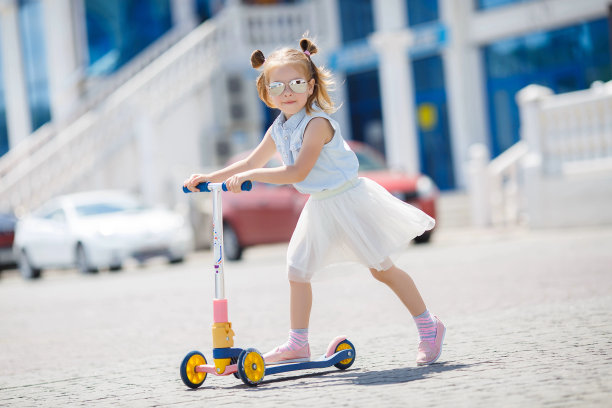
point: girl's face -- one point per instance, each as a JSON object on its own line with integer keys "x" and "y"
{"x": 289, "y": 101}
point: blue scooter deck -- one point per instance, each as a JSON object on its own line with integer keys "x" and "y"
{"x": 326, "y": 362}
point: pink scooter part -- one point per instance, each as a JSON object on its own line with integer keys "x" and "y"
{"x": 220, "y": 310}
{"x": 331, "y": 349}
{"x": 211, "y": 369}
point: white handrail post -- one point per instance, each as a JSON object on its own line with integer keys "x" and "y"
{"x": 529, "y": 100}
{"x": 479, "y": 185}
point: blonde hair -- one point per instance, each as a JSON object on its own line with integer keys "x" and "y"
{"x": 323, "y": 78}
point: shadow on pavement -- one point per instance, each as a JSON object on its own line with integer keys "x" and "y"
{"x": 358, "y": 377}
{"x": 403, "y": 375}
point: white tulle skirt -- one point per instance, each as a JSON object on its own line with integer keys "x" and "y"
{"x": 358, "y": 222}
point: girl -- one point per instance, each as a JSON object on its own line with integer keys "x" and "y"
{"x": 346, "y": 218}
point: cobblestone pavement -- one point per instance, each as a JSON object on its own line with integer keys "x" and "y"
{"x": 527, "y": 312}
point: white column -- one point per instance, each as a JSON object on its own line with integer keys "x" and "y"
{"x": 391, "y": 39}
{"x": 146, "y": 133}
{"x": 19, "y": 121}
{"x": 184, "y": 14}
{"x": 464, "y": 80}
{"x": 328, "y": 24}
{"x": 63, "y": 59}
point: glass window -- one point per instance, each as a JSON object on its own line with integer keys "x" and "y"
{"x": 357, "y": 19}
{"x": 564, "y": 60}
{"x": 366, "y": 112}
{"x": 34, "y": 61}
{"x": 432, "y": 121}
{"x": 489, "y": 4}
{"x": 4, "y": 143}
{"x": 421, "y": 11}
{"x": 117, "y": 30}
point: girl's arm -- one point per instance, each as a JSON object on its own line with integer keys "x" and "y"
{"x": 318, "y": 132}
{"x": 258, "y": 158}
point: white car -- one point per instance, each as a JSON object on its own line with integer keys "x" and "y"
{"x": 95, "y": 230}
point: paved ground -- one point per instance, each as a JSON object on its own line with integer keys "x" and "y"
{"x": 528, "y": 317}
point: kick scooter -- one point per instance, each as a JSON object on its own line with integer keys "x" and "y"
{"x": 245, "y": 364}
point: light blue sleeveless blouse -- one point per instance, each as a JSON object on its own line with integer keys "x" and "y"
{"x": 336, "y": 164}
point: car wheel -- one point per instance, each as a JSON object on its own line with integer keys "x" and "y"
{"x": 26, "y": 269}
{"x": 82, "y": 262}
{"x": 116, "y": 267}
{"x": 231, "y": 246}
{"x": 176, "y": 259}
{"x": 423, "y": 238}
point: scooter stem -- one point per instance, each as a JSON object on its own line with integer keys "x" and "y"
{"x": 217, "y": 224}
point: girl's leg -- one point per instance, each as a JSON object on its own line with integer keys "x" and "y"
{"x": 402, "y": 284}
{"x": 431, "y": 330}
{"x": 296, "y": 348}
{"x": 301, "y": 304}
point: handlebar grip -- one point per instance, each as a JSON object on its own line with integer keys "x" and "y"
{"x": 204, "y": 187}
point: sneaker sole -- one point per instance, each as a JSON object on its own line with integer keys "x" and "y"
{"x": 296, "y": 360}
{"x": 439, "y": 353}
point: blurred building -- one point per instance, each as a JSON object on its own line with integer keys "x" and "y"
{"x": 139, "y": 93}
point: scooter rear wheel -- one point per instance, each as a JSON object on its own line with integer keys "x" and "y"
{"x": 251, "y": 367}
{"x": 347, "y": 362}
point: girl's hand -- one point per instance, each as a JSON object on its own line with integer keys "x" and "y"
{"x": 195, "y": 179}
{"x": 234, "y": 183}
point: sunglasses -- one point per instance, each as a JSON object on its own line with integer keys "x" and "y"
{"x": 296, "y": 85}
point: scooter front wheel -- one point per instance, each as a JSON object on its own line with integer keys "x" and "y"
{"x": 189, "y": 375}
{"x": 251, "y": 367}
{"x": 347, "y": 362}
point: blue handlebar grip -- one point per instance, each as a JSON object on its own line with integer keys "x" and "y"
{"x": 202, "y": 186}
{"x": 246, "y": 186}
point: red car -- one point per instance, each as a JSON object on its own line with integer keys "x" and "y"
{"x": 268, "y": 213}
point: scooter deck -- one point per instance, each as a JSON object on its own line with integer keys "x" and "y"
{"x": 321, "y": 363}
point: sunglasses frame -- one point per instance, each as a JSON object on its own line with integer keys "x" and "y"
{"x": 277, "y": 88}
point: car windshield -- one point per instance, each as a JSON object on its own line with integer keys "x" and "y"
{"x": 106, "y": 207}
{"x": 369, "y": 162}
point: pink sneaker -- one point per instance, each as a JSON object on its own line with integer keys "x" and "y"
{"x": 429, "y": 352}
{"x": 283, "y": 355}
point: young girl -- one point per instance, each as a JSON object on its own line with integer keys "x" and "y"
{"x": 346, "y": 218}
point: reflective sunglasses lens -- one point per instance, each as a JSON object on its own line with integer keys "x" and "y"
{"x": 276, "y": 88}
{"x": 298, "y": 85}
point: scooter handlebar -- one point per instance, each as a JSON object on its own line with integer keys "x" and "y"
{"x": 206, "y": 186}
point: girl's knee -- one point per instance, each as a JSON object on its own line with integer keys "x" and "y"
{"x": 380, "y": 275}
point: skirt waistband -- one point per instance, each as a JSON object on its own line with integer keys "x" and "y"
{"x": 335, "y": 191}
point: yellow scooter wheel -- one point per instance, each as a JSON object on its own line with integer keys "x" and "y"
{"x": 347, "y": 362}
{"x": 189, "y": 375}
{"x": 251, "y": 367}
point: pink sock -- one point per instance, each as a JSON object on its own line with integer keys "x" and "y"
{"x": 298, "y": 338}
{"x": 426, "y": 326}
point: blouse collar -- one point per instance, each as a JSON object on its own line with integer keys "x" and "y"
{"x": 293, "y": 121}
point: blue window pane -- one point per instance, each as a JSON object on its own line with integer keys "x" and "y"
{"x": 34, "y": 61}
{"x": 422, "y": 11}
{"x": 564, "y": 60}
{"x": 117, "y": 30}
{"x": 4, "y": 144}
{"x": 366, "y": 112}
{"x": 432, "y": 121}
{"x": 488, "y": 4}
{"x": 357, "y": 19}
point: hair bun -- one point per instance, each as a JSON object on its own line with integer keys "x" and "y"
{"x": 306, "y": 44}
{"x": 257, "y": 59}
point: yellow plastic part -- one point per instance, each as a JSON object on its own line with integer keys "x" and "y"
{"x": 344, "y": 346}
{"x": 254, "y": 367}
{"x": 221, "y": 364}
{"x": 223, "y": 335}
{"x": 192, "y": 363}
